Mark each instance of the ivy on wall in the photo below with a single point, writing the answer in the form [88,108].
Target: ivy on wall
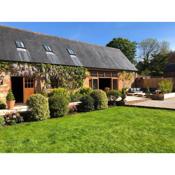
[69,77]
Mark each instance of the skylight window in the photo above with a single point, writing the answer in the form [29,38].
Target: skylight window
[19,44]
[47,48]
[71,52]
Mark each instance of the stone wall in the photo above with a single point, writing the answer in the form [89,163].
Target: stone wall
[5,87]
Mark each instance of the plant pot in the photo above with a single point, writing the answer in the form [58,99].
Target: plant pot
[11,104]
[157,97]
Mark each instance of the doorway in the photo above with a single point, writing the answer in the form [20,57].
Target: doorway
[17,88]
[104,82]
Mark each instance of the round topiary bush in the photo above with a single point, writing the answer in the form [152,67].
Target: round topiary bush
[85,91]
[87,104]
[61,91]
[38,105]
[100,99]
[58,105]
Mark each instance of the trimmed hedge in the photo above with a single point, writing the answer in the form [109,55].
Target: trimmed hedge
[87,104]
[100,99]
[2,121]
[85,91]
[74,97]
[58,105]
[61,91]
[38,104]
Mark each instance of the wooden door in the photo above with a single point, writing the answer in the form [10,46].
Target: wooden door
[28,88]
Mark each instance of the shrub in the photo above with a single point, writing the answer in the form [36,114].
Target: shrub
[58,105]
[74,97]
[112,95]
[38,104]
[166,86]
[61,91]
[87,104]
[85,91]
[13,118]
[2,121]
[100,99]
[123,93]
[2,105]
[10,96]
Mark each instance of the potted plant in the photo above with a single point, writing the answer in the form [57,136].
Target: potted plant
[10,100]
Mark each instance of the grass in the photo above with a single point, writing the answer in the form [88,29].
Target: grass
[119,129]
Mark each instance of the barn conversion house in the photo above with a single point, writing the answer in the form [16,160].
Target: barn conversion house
[19,46]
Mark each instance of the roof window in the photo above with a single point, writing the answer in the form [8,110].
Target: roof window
[71,52]
[19,44]
[47,48]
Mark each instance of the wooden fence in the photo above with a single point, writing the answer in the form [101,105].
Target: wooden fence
[151,82]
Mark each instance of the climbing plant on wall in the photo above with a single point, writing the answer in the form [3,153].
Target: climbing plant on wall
[69,77]
[126,77]
[4,67]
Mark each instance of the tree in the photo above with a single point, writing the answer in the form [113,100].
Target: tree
[153,55]
[155,67]
[164,47]
[126,46]
[148,48]
[157,64]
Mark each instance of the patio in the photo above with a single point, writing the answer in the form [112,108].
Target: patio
[167,104]
[17,108]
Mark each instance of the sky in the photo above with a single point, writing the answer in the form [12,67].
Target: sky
[101,33]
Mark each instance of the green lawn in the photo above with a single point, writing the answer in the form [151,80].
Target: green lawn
[119,129]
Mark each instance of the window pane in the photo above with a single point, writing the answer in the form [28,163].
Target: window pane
[95,84]
[19,44]
[107,74]
[90,83]
[94,73]
[47,48]
[114,74]
[101,74]
[115,84]
[71,52]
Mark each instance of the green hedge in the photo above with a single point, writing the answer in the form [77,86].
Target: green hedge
[58,105]
[61,91]
[38,104]
[100,99]
[87,104]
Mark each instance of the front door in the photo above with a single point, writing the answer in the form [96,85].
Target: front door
[17,88]
[28,88]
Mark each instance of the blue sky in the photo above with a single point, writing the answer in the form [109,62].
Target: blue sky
[102,33]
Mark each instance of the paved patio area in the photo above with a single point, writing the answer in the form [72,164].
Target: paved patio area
[17,108]
[168,103]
